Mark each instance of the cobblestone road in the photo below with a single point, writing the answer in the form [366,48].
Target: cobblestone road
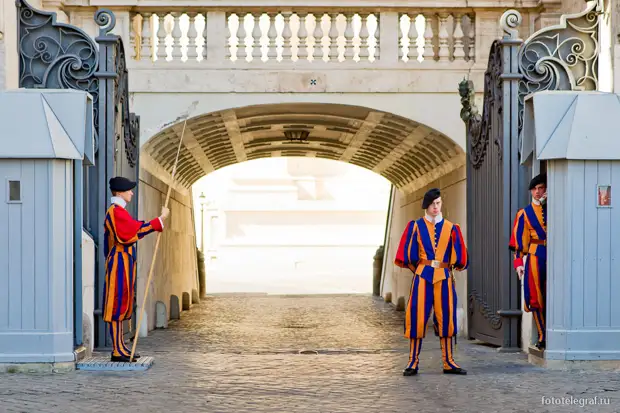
[241,354]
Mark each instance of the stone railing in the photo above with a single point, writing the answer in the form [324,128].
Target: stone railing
[297,37]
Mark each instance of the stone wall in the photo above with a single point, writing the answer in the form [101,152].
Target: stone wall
[88,292]
[397,281]
[175,271]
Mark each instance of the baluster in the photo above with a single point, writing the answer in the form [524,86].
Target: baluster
[272,35]
[402,36]
[459,52]
[304,45]
[145,37]
[333,37]
[257,33]
[402,50]
[429,53]
[318,37]
[376,54]
[364,49]
[349,33]
[444,50]
[177,54]
[204,37]
[161,38]
[135,51]
[230,41]
[472,38]
[413,39]
[287,52]
[241,35]
[192,34]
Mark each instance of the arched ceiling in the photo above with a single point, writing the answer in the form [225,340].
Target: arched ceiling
[408,154]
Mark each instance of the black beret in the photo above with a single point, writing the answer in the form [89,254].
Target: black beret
[120,184]
[537,180]
[430,196]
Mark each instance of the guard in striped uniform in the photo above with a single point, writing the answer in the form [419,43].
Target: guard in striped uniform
[529,243]
[432,247]
[121,233]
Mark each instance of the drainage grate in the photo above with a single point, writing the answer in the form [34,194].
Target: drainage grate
[103,363]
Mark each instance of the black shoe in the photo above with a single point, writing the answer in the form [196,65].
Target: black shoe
[410,372]
[122,359]
[136,356]
[541,344]
[457,370]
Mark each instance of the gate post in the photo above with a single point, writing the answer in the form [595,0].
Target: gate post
[510,309]
[106,75]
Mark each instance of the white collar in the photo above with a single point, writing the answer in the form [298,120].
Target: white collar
[437,219]
[535,201]
[119,201]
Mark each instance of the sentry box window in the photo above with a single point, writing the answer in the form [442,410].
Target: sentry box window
[14,191]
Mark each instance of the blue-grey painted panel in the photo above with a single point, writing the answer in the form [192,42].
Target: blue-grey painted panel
[615,247]
[5,167]
[589,217]
[38,347]
[565,291]
[15,257]
[27,241]
[559,210]
[43,191]
[36,262]
[584,247]
[61,228]
[603,270]
[576,177]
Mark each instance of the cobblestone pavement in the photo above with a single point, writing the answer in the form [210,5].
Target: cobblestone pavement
[242,354]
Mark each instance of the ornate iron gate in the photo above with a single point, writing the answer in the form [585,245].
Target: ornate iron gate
[484,201]
[561,57]
[492,177]
[61,56]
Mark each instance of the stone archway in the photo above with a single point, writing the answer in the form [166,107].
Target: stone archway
[407,153]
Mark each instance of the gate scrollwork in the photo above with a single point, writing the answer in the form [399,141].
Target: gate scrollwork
[479,127]
[56,55]
[561,57]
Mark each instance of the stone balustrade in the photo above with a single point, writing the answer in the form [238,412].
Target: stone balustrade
[253,38]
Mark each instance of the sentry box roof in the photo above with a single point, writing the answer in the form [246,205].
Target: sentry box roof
[46,124]
[571,125]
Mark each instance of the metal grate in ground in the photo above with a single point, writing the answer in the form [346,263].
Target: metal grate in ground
[101,362]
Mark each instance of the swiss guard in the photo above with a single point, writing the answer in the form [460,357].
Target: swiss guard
[432,247]
[121,233]
[529,243]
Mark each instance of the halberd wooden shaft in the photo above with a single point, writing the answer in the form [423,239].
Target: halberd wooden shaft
[148,282]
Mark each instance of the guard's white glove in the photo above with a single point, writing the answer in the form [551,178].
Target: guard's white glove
[520,271]
[164,213]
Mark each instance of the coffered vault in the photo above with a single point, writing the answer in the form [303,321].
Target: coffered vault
[407,153]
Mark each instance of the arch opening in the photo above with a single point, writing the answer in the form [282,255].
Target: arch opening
[407,153]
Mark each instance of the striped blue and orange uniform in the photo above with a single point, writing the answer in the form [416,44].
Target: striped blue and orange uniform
[529,243]
[431,250]
[121,233]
